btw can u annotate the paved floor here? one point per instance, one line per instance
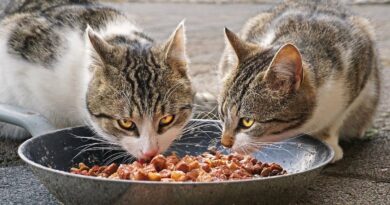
(362, 177)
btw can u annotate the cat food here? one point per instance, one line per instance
(207, 167)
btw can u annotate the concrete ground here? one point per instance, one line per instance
(362, 177)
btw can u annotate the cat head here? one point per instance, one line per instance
(140, 96)
(266, 97)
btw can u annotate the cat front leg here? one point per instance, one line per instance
(333, 141)
(331, 137)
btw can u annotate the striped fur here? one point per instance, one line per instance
(338, 93)
(78, 62)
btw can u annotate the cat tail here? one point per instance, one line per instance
(206, 105)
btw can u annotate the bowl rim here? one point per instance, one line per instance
(22, 148)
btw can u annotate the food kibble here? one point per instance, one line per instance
(207, 167)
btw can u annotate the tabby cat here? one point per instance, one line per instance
(77, 62)
(302, 67)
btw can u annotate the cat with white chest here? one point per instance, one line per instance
(82, 63)
(302, 67)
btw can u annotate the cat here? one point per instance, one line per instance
(302, 67)
(80, 63)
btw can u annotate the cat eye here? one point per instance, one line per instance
(126, 124)
(246, 122)
(166, 120)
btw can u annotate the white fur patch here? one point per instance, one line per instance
(331, 103)
(266, 40)
(119, 27)
(56, 92)
(241, 142)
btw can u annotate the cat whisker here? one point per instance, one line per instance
(271, 146)
(176, 148)
(129, 159)
(98, 144)
(115, 157)
(191, 144)
(96, 138)
(208, 115)
(83, 147)
(201, 132)
(194, 127)
(280, 148)
(279, 144)
(192, 137)
(95, 148)
(91, 138)
(201, 125)
(204, 131)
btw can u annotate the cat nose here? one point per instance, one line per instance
(227, 141)
(150, 153)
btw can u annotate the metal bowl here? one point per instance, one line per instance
(52, 155)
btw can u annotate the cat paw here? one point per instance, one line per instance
(333, 142)
(338, 153)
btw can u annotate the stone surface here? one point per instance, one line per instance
(336, 190)
(364, 159)
(19, 186)
(8, 153)
(362, 177)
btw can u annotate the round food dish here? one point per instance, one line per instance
(52, 155)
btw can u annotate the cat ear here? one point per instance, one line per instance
(241, 48)
(175, 49)
(105, 51)
(285, 71)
